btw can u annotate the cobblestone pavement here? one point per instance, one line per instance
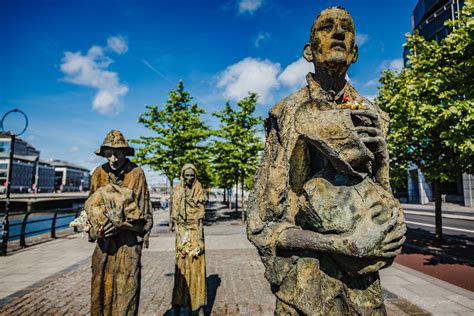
(235, 281)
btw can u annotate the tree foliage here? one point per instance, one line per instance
(431, 104)
(179, 136)
(238, 145)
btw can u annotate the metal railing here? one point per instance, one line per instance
(26, 221)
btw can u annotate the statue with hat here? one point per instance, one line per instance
(120, 220)
(321, 211)
(190, 270)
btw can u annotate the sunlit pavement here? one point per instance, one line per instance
(54, 277)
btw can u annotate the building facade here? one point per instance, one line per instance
(30, 174)
(70, 177)
(428, 18)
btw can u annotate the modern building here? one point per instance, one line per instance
(70, 177)
(428, 18)
(30, 174)
(45, 177)
(25, 158)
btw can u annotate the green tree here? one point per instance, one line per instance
(431, 106)
(237, 149)
(179, 136)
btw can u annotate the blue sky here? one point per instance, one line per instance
(81, 68)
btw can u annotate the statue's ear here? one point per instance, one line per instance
(356, 53)
(307, 53)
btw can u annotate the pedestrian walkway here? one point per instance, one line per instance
(55, 277)
(449, 210)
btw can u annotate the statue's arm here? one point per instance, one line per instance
(367, 240)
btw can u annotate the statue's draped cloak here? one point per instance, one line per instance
(307, 134)
(190, 272)
(115, 286)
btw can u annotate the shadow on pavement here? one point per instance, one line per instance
(213, 282)
(451, 250)
(218, 212)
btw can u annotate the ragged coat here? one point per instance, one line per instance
(316, 174)
(190, 270)
(116, 267)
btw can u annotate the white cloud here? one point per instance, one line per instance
(393, 65)
(249, 6)
(117, 44)
(361, 39)
(372, 82)
(74, 149)
(294, 75)
(261, 37)
(91, 70)
(252, 75)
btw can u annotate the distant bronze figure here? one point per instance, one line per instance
(188, 215)
(321, 211)
(120, 219)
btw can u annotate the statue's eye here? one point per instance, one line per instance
(326, 28)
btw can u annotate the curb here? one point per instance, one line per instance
(451, 216)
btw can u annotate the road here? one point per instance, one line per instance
(454, 227)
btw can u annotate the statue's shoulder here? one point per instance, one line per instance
(100, 170)
(289, 103)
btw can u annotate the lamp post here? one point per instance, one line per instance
(5, 222)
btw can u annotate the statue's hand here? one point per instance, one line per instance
(367, 125)
(109, 230)
(370, 239)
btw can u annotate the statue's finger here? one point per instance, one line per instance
(393, 220)
(374, 117)
(394, 245)
(372, 140)
(371, 131)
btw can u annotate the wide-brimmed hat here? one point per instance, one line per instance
(115, 139)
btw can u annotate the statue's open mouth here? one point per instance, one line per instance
(339, 45)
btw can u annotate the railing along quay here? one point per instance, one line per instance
(32, 223)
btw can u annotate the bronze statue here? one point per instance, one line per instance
(321, 212)
(120, 219)
(190, 270)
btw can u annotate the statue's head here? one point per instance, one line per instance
(115, 148)
(188, 174)
(116, 157)
(332, 46)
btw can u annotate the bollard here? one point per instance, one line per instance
(23, 231)
(5, 231)
(53, 225)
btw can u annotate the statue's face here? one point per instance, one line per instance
(333, 40)
(116, 157)
(189, 176)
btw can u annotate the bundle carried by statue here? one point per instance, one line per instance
(110, 203)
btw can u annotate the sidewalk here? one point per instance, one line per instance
(449, 210)
(53, 278)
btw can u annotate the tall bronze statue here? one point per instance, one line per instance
(321, 212)
(120, 219)
(188, 215)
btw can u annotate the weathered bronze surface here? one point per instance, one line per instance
(119, 189)
(188, 214)
(321, 212)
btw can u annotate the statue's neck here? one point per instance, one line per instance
(330, 80)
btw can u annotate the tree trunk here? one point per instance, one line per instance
(237, 193)
(224, 196)
(438, 218)
(170, 224)
(242, 197)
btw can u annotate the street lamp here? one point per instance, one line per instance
(5, 222)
